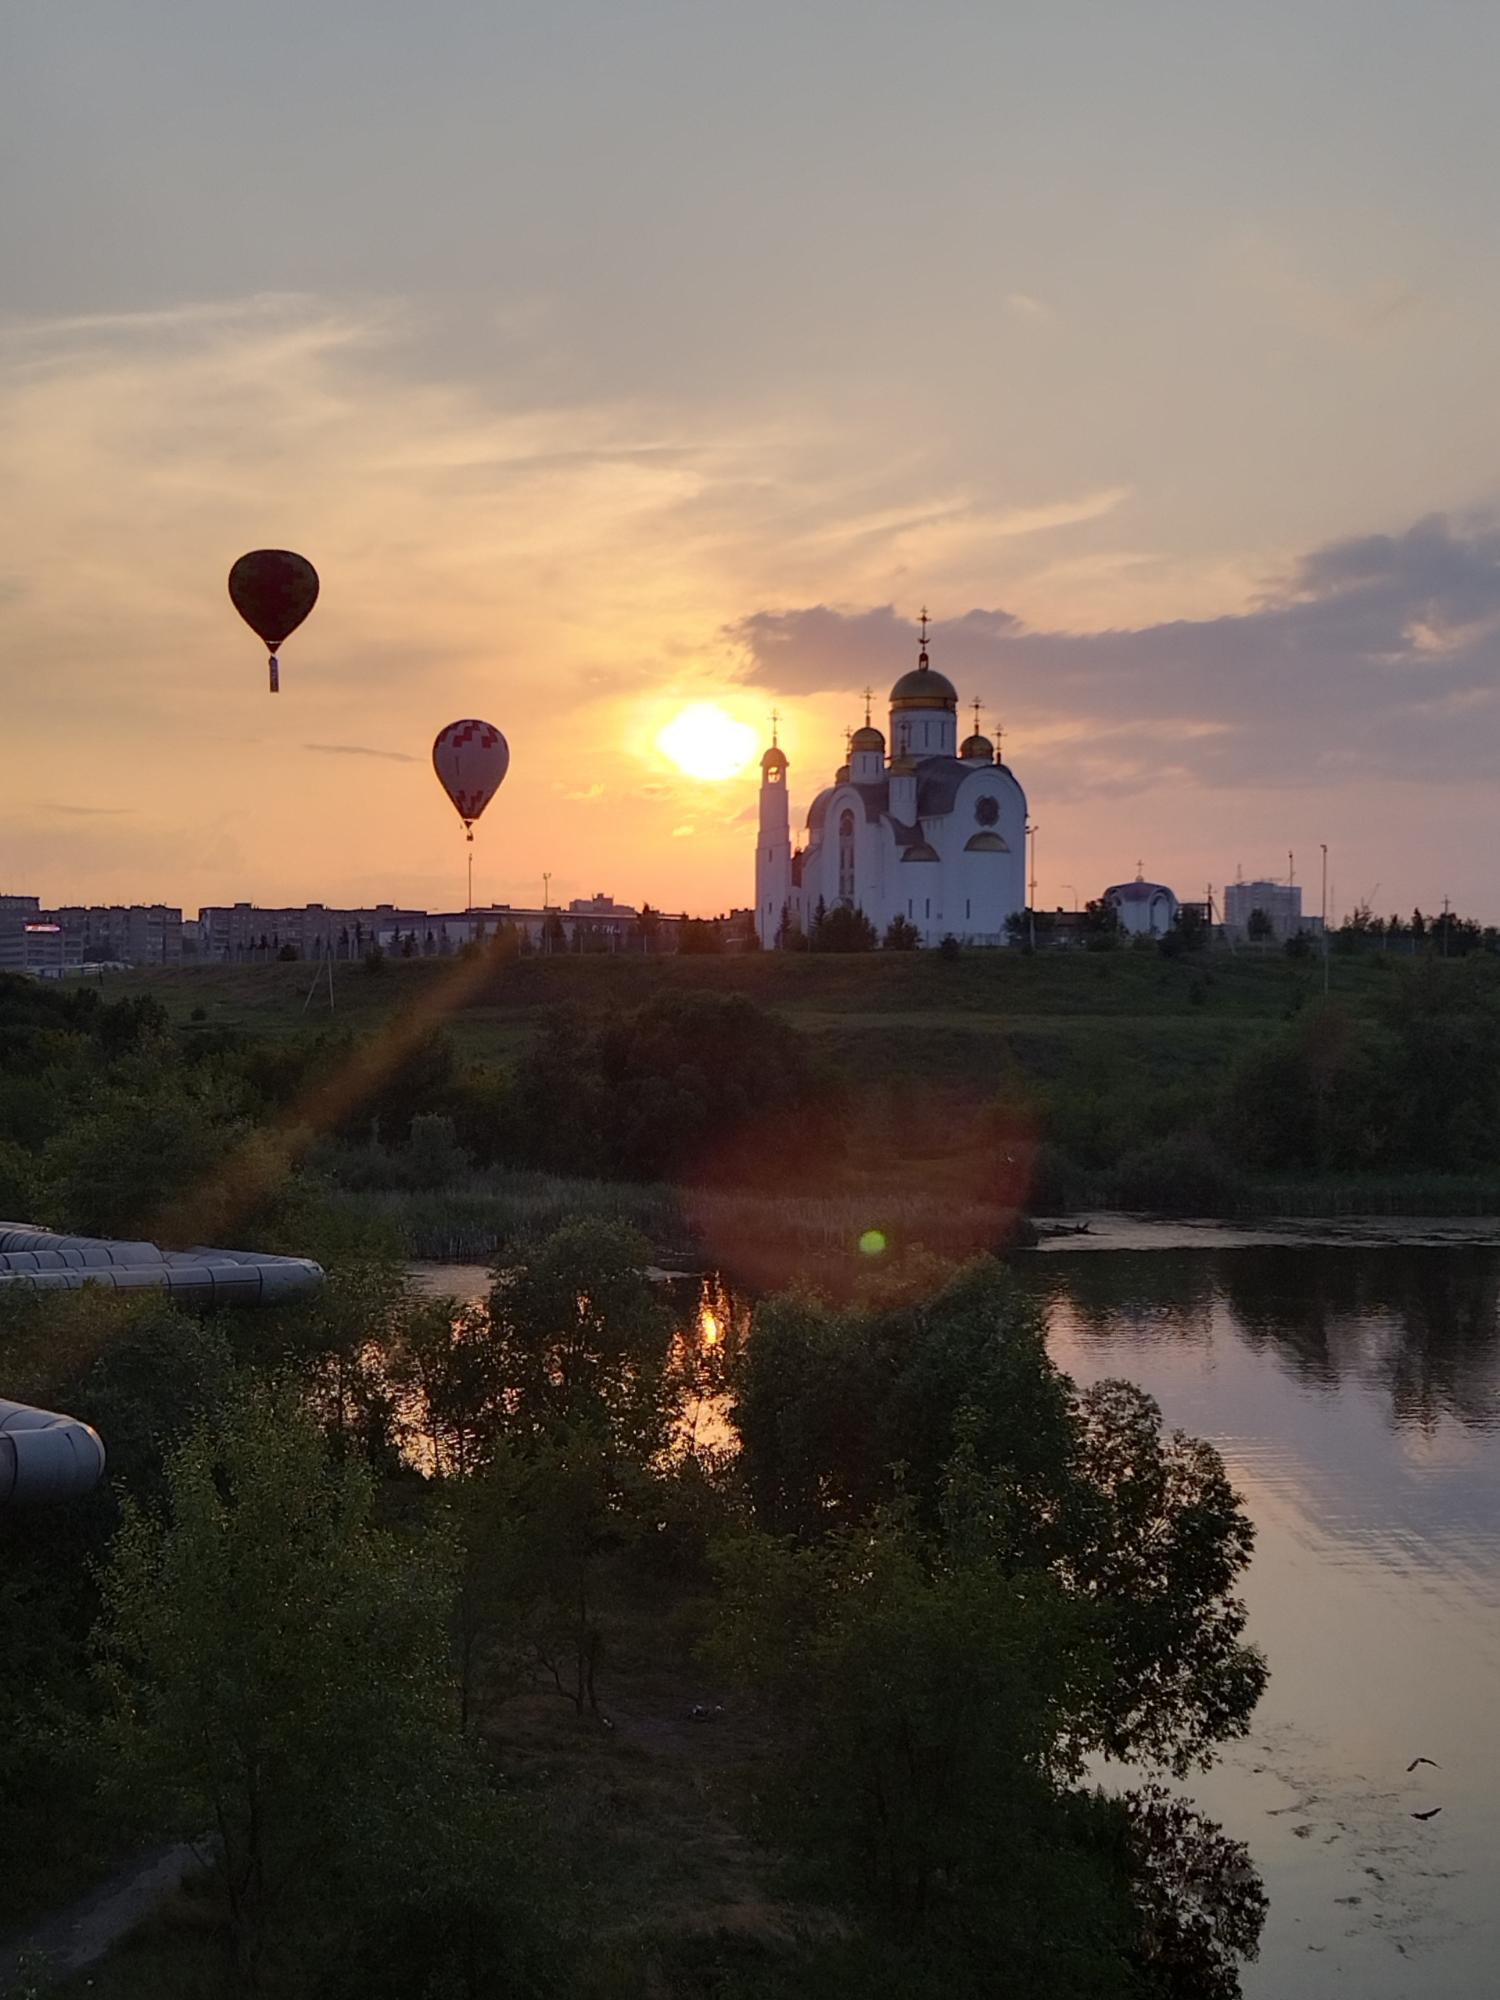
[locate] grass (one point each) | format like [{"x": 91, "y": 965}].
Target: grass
[{"x": 757, "y": 1238}]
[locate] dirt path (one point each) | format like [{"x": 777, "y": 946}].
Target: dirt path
[{"x": 78, "y": 1936}]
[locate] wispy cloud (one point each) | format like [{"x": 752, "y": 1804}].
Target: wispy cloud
[{"x": 361, "y": 750}]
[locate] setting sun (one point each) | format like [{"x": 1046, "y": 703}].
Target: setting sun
[{"x": 705, "y": 742}]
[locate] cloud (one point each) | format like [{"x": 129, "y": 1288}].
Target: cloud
[
  {"x": 84, "y": 812},
  {"x": 361, "y": 750},
  {"x": 681, "y": 832},
  {"x": 585, "y": 797},
  {"x": 1023, "y": 306},
  {"x": 1374, "y": 657}
]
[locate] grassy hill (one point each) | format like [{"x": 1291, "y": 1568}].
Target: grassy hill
[
  {"x": 914, "y": 1010},
  {"x": 1114, "y": 1071}
]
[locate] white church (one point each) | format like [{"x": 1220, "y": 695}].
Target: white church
[{"x": 934, "y": 832}]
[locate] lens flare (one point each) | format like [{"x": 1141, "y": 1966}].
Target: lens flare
[
  {"x": 707, "y": 742},
  {"x": 872, "y": 1243}
]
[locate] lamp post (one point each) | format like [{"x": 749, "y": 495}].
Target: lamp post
[
  {"x": 1031, "y": 829},
  {"x": 1324, "y": 845}
]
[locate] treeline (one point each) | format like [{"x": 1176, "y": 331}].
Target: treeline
[{"x": 352, "y": 1549}]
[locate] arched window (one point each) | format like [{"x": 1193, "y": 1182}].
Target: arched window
[{"x": 846, "y": 859}]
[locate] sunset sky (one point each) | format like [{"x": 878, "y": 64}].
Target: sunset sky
[{"x": 609, "y": 358}]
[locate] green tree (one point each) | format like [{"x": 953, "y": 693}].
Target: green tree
[
  {"x": 579, "y": 1332},
  {"x": 901, "y": 935},
  {"x": 838, "y": 1412},
  {"x": 699, "y": 935},
  {"x": 842, "y": 929},
  {"x": 1258, "y": 926},
  {"x": 277, "y": 1673}
]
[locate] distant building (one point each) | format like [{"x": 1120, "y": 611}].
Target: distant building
[
  {"x": 119, "y": 933},
  {"x": 241, "y": 933},
  {"x": 1145, "y": 909},
  {"x": 1280, "y": 902},
  {"x": 29, "y": 945}
]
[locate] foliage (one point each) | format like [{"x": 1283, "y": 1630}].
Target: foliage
[
  {"x": 901, "y": 935},
  {"x": 276, "y": 1672},
  {"x": 838, "y": 1413},
  {"x": 842, "y": 929}
]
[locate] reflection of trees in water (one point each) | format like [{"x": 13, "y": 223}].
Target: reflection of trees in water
[
  {"x": 1147, "y": 1295},
  {"x": 1417, "y": 1321}
]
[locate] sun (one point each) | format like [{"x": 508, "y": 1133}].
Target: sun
[{"x": 705, "y": 742}]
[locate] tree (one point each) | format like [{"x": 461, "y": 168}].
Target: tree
[
  {"x": 1189, "y": 932},
  {"x": 276, "y": 1671},
  {"x": 699, "y": 935},
  {"x": 923, "y": 1696},
  {"x": 536, "y": 1528},
  {"x": 929, "y": 1707},
  {"x": 842, "y": 929},
  {"x": 1258, "y": 926},
  {"x": 901, "y": 935},
  {"x": 1101, "y": 925},
  {"x": 579, "y": 1333},
  {"x": 838, "y": 1413}
]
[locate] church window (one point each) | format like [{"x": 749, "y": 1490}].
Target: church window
[
  {"x": 967, "y": 911},
  {"x": 846, "y": 858},
  {"x": 929, "y": 906},
  {"x": 987, "y": 811}
]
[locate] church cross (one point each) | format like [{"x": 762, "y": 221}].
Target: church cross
[{"x": 775, "y": 718}]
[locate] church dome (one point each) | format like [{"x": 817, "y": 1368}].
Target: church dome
[
  {"x": 924, "y": 688},
  {"x": 920, "y": 850},
  {"x": 977, "y": 749},
  {"x": 868, "y": 738},
  {"x": 775, "y": 758}
]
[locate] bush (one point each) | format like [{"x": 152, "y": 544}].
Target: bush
[{"x": 1183, "y": 1174}]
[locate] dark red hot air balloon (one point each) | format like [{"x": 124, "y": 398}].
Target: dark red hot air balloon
[
  {"x": 471, "y": 759},
  {"x": 273, "y": 590}
]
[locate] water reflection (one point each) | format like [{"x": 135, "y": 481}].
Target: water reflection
[
  {"x": 1417, "y": 1323},
  {"x": 1355, "y": 1395}
]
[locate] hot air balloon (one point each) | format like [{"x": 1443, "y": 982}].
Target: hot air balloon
[
  {"x": 471, "y": 759},
  {"x": 273, "y": 590}
]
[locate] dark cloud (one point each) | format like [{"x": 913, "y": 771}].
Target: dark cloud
[
  {"x": 1373, "y": 657},
  {"x": 360, "y": 750}
]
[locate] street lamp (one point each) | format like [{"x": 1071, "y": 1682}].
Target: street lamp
[
  {"x": 1324, "y": 845},
  {"x": 1031, "y": 828}
]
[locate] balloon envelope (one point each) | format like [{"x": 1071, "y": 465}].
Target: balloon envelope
[
  {"x": 471, "y": 759},
  {"x": 273, "y": 590}
]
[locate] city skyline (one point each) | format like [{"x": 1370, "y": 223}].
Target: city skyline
[{"x": 610, "y": 367}]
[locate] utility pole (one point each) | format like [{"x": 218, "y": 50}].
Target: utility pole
[
  {"x": 1324, "y": 845},
  {"x": 1031, "y": 899},
  {"x": 546, "y": 895}
]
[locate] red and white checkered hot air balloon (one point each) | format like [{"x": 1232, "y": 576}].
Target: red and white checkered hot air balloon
[{"x": 471, "y": 759}]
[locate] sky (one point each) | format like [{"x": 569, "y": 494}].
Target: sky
[{"x": 610, "y": 356}]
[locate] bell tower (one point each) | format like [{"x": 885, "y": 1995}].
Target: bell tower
[{"x": 773, "y": 854}]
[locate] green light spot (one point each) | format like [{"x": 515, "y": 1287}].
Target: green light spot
[{"x": 872, "y": 1243}]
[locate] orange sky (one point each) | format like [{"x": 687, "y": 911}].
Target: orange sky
[{"x": 604, "y": 365}]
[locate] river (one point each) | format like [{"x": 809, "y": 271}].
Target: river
[{"x": 1353, "y": 1387}]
